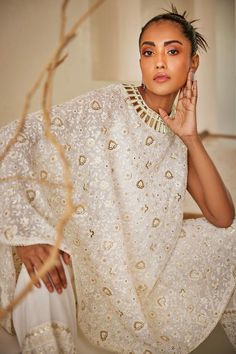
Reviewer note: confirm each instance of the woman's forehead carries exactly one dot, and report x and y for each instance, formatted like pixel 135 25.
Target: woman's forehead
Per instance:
pixel 163 29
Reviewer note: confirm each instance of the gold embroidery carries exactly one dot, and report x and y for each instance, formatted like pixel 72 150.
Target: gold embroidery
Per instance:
pixel 194 274
pixel 30 193
pixel 107 291
pixel 148 164
pixel 82 160
pixel 149 140
pixel 67 147
pixel 43 174
pixel 140 184
pixel 149 116
pixel 178 197
pixel 116 227
pixel 140 265
pixel 112 145
pixel 153 246
pixel 103 335
pixel 126 217
pixel 145 208
pixel 91 233
pixel 76 242
pixel 202 318
pixel 85 187
pixel 43 336
pixel 161 301
pixel 80 209
pixel 21 138
pixel 190 308
pixel 104 130
pixel 168 175
pixel 165 338
pixel 156 222
pixel 9 233
pixel 152 314
pixel 42 329
pixel 138 325
pixel 107 245
pixel 141 288
pixel 95 105
pixel 57 122
pixel 229 311
pixel 182 234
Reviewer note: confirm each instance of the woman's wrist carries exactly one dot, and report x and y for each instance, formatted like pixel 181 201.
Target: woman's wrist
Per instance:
pixel 191 140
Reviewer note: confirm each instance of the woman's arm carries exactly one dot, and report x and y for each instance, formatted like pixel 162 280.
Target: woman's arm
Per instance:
pixel 204 182
pixel 206 186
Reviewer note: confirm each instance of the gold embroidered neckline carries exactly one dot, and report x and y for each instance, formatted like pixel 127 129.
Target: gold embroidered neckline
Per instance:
pixel 147 115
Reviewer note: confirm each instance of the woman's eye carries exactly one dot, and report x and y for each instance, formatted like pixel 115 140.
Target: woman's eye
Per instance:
pixel 173 51
pixel 147 53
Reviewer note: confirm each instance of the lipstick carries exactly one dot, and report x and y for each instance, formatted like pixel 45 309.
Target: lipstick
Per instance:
pixel 161 77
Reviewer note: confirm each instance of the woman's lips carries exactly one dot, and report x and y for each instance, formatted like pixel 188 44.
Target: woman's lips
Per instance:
pixel 161 77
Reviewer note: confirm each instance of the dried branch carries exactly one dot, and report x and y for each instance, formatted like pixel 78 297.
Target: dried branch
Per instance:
pixel 39 181
pixel 49 69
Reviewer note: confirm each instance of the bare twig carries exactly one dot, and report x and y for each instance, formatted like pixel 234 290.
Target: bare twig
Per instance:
pixel 50 68
pixel 26 179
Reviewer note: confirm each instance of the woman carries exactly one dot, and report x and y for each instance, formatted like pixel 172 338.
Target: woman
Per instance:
pixel 145 281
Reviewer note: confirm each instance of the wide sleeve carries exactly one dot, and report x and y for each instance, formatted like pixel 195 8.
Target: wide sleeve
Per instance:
pixel 32 198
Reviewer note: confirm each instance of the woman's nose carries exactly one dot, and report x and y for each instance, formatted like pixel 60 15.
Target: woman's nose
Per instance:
pixel 160 61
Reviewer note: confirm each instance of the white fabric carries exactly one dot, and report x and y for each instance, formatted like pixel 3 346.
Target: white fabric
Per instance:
pixel 40 311
pixel 146 281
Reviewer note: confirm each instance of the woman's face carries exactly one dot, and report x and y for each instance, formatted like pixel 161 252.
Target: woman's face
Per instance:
pixel 165 58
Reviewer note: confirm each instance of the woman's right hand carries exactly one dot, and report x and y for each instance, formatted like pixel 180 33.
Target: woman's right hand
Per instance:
pixel 34 256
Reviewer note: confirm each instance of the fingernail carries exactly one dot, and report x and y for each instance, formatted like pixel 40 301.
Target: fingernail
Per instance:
pixel 59 290
pixel 51 289
pixel 38 285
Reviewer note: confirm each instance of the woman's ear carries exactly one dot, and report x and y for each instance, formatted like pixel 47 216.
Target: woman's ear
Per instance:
pixel 195 62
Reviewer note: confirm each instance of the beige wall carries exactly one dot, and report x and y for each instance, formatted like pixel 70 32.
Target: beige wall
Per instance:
pixel 106 51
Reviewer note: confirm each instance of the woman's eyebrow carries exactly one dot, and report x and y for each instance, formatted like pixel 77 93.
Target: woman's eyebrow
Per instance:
pixel 165 43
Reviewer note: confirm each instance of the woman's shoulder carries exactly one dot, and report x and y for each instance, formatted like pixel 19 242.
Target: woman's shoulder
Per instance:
pixel 65 113
pixel 110 91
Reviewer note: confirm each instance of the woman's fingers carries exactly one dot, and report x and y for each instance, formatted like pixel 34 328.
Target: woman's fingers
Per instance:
pixel 31 272
pixel 165 117
pixel 66 257
pixel 194 92
pixel 181 93
pixel 34 257
pixel 188 86
pixel 56 277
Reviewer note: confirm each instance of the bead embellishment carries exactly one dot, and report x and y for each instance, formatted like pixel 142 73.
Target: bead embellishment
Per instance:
pixel 112 145
pixel 148 116
pixel 138 325
pixel 103 335
pixel 95 105
pixel 140 184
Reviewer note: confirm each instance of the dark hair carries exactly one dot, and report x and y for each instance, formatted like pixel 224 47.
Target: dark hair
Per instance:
pixel 196 39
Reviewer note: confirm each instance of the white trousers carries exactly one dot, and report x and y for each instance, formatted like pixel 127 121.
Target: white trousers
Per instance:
pixel 46 322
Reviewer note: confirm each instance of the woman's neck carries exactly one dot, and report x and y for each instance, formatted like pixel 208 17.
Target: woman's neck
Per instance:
pixel 155 102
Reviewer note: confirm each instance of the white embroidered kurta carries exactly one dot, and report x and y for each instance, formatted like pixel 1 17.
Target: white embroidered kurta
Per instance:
pixel 146 281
